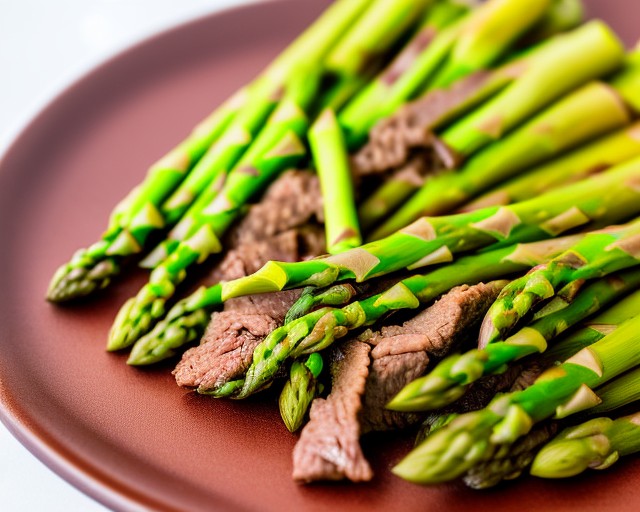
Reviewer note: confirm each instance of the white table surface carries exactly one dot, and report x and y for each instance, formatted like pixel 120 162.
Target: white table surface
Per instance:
pixel 45 45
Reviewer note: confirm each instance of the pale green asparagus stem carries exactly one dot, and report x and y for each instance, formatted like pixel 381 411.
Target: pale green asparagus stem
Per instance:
pixel 332 163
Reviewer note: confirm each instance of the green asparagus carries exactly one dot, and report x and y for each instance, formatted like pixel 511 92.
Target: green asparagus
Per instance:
pixel 596 444
pixel 139 213
pixel 277 148
pixel 598 254
pixel 332 163
pixel 299 391
pixel 559 392
pixel 450 379
pixel 428 241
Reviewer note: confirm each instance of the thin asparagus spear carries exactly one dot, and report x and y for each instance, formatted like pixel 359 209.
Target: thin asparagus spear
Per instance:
pixel 402 78
pixel 138 214
pixel 596 444
pixel 427 241
pixel 278 147
pixel 610 150
pixel 468 44
pixel 510 461
pixel 559 392
pixel 332 163
pixel 312 297
pixel 450 379
pixel 598 254
pixel 593 110
pixel 379 28
pixel 300 390
pixel 498 24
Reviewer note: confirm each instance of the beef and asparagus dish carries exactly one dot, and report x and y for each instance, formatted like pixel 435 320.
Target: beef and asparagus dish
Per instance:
pixel 422 216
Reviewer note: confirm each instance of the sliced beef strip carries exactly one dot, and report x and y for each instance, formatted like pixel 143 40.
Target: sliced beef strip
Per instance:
pixel 393 140
pixel 293 200
pixel 329 447
pixel 401 353
pixel 226 349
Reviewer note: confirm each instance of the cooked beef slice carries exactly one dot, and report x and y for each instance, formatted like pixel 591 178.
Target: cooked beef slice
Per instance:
pixel 393 140
pixel 227 346
pixel 293 200
pixel 329 447
pixel 401 353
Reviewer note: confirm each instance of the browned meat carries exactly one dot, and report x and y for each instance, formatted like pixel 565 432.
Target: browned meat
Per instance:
pixel 329 447
pixel 394 139
pixel 293 200
pixel 226 349
pixel 401 353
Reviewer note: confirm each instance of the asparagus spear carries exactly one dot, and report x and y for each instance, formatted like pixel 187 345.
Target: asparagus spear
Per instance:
pixel 330 156
pixel 610 150
pixel 450 379
pixel 592 110
pixel 278 147
pixel 596 444
pixel 559 392
pixel 138 214
pixel 380 27
pixel 564 63
pixel 598 254
pixel 596 329
pixel 510 461
pixel 300 390
pixel 427 241
pixel 412 67
pixel 497 25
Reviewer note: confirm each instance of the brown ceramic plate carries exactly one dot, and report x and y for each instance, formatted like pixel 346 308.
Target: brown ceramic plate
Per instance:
pixel 131 438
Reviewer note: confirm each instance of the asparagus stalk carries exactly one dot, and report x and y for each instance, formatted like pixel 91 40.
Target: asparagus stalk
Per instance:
pixel 138 214
pixel 510 461
pixel 427 241
pixel 593 110
pixel 596 329
pixel 450 379
pixel 610 150
pixel 379 28
pixel 300 390
pixel 564 63
pixel 331 159
pixel 496 26
pixel 595 444
pixel 598 254
pixel 278 147
pixel 403 77
pixel 559 392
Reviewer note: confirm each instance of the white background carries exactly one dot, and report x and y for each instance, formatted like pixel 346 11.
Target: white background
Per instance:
pixel 44 45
